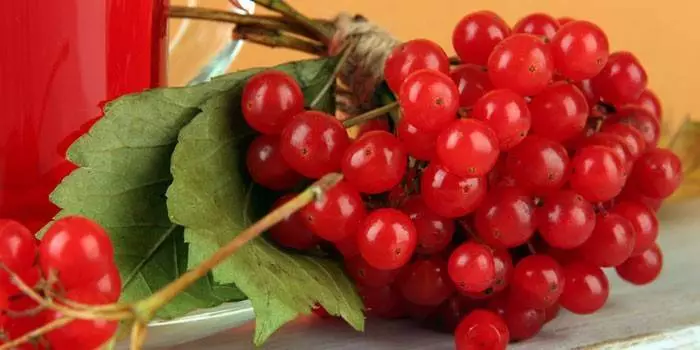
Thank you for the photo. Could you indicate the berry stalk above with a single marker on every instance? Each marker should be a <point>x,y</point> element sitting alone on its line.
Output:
<point>322,33</point>
<point>375,113</point>
<point>26,338</point>
<point>276,38</point>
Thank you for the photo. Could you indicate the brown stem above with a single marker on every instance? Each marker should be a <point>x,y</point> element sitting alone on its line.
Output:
<point>27,337</point>
<point>323,33</point>
<point>375,113</point>
<point>272,38</point>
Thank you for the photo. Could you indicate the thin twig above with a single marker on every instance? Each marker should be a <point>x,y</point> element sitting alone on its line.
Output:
<point>138,335</point>
<point>339,65</point>
<point>375,113</point>
<point>27,337</point>
<point>323,34</point>
<point>277,39</point>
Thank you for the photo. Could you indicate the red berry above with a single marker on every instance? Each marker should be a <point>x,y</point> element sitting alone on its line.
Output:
<point>506,218</point>
<point>657,173</point>
<point>565,220</point>
<point>471,267</point>
<point>506,113</point>
<point>559,112</point>
<point>425,282</point>
<point>108,285</point>
<point>552,312</point>
<point>378,124</point>
<point>523,322</point>
<point>17,251</point>
<point>375,163</point>
<point>337,214</point>
<point>382,302</point>
<point>451,312</point>
<point>613,141</point>
<point>418,143</point>
<point>650,102</point>
<point>633,139</point>
<point>387,239</point>
<point>481,330</point>
<point>30,277</point>
<point>81,334</point>
<point>591,97</point>
<point>644,221</point>
<point>348,246</point>
<point>266,165</point>
<point>597,173</point>
<point>429,100</point>
<point>622,80</point>
<point>467,147</point>
<point>270,99</point>
<point>503,266</point>
<point>19,326</point>
<point>611,243</point>
<point>631,193</point>
<point>292,232</point>
<point>522,63</point>
<point>320,311</point>
<point>540,24</point>
<point>643,268</point>
<point>472,82</point>
<point>580,50</point>
<point>313,143</point>
<point>449,195</point>
<point>476,34</point>
<point>412,56</point>
<point>434,232</point>
<point>538,281</point>
<point>538,165</point>
<point>366,275</point>
<point>586,289</point>
<point>640,119</point>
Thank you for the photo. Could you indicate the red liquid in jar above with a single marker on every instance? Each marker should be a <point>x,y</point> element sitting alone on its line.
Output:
<point>59,62</point>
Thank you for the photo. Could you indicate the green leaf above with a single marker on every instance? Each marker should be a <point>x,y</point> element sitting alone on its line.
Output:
<point>212,196</point>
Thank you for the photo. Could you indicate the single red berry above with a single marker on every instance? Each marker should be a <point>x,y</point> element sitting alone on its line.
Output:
<point>586,289</point>
<point>471,267</point>
<point>500,175</point>
<point>540,24</point>
<point>366,275</point>
<point>522,63</point>
<point>580,50</point>
<point>378,124</point>
<point>622,80</point>
<point>633,138</point>
<point>419,144</point>
<point>597,173</point>
<point>292,232</point>
<point>650,102</point>
<point>559,112</point>
<point>482,330</point>
<point>429,100</point>
<point>434,232</point>
<point>108,285</point>
<point>387,239</point>
<point>506,219</point>
<point>467,147</point>
<point>613,141</point>
<point>657,173</point>
<point>425,282</point>
<point>476,34</point>
<point>412,56</point>
<point>631,193</point>
<point>611,243</point>
<point>538,281</point>
<point>523,322</point>
<point>472,82</point>
<point>449,195</point>
<point>640,119</point>
<point>337,214</point>
<point>270,100</point>
<point>506,113</point>
<point>565,220</point>
<point>503,266</point>
<point>313,143</point>
<point>591,97</point>
<point>643,268</point>
<point>81,334</point>
<point>375,163</point>
<point>644,221</point>
<point>17,246</point>
<point>266,165</point>
<point>348,246</point>
<point>384,302</point>
<point>552,312</point>
<point>538,165</point>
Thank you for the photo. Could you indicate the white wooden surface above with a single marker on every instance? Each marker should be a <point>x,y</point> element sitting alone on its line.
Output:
<point>663,315</point>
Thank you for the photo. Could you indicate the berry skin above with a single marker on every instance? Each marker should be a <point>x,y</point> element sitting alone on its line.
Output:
<point>19,326</point>
<point>313,144</point>
<point>643,268</point>
<point>425,282</point>
<point>384,302</point>
<point>17,250</point>
<point>472,82</point>
<point>366,275</point>
<point>418,143</point>
<point>650,102</point>
<point>622,80</point>
<point>644,221</point>
<point>375,163</point>
<point>657,173</point>
<point>559,112</point>
<point>522,63</point>
<point>586,289</point>
<point>337,214</point>
<point>523,322</point>
<point>108,285</point>
<point>631,193</point>
<point>434,232</point>
<point>412,56</point>
<point>292,232</point>
<point>538,165</point>
<point>552,312</point>
<point>270,100</point>
<point>633,139</point>
<point>429,100</point>
<point>476,34</point>
<point>467,147</point>
<point>565,220</point>
<point>449,195</point>
<point>538,281</point>
<point>597,173</point>
<point>379,124</point>
<point>580,50</point>
<point>481,330</point>
<point>387,239</point>
<point>471,267</point>
<point>348,247</point>
<point>611,243</point>
<point>564,20</point>
<point>506,219</point>
<point>614,142</point>
<point>640,119</point>
<point>538,24</point>
<point>266,165</point>
<point>506,113</point>
<point>503,266</point>
<point>587,90</point>
<point>81,334</point>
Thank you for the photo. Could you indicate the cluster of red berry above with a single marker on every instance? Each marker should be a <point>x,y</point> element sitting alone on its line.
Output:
<point>73,263</point>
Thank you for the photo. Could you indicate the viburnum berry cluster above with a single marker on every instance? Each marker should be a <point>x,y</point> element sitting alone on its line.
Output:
<point>499,194</point>
<point>72,265</point>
